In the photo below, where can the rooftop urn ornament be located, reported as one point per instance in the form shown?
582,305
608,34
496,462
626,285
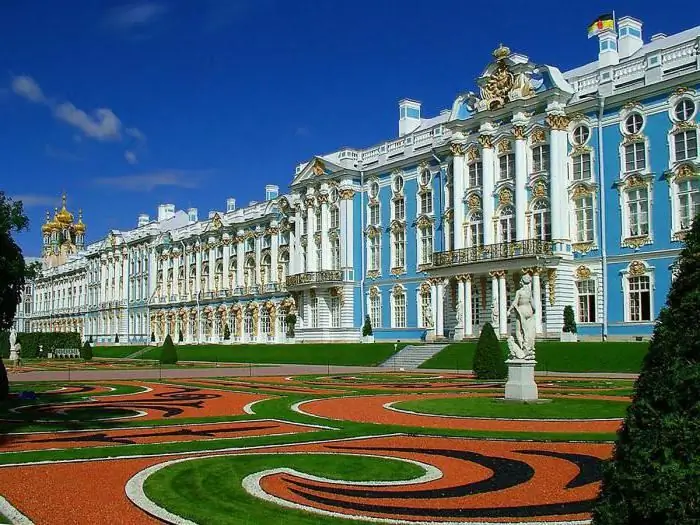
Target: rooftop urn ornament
522,346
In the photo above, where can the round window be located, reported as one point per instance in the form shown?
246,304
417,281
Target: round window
398,184
425,177
684,110
374,189
634,123
581,135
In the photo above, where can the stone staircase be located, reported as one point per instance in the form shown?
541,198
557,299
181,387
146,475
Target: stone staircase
412,356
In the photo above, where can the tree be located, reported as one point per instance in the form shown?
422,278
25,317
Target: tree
153,337
569,320
116,338
227,332
489,358
291,320
653,475
367,327
87,351
179,336
13,270
168,353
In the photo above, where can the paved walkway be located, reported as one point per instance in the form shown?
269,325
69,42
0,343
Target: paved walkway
250,371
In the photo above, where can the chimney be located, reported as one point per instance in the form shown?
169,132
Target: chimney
658,36
271,192
607,54
192,215
409,116
230,204
630,40
165,212
143,220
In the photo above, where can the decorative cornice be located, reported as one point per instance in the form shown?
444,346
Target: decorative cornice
457,150
505,197
346,194
582,247
373,274
486,141
519,132
636,242
557,122
538,135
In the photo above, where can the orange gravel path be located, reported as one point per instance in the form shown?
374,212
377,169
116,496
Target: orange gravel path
370,409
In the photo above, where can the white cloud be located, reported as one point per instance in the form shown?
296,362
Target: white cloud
135,133
189,179
33,200
26,87
103,124
130,157
129,16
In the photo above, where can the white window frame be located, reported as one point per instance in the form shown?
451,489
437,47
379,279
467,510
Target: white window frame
577,159
475,173
396,321
626,275
374,260
625,194
375,309
511,219
398,249
579,314
421,304
425,203
635,146
422,259
541,161
474,225
574,219
371,207
509,166
547,212
689,132
334,311
395,207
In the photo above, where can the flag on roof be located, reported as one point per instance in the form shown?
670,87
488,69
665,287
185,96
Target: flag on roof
600,24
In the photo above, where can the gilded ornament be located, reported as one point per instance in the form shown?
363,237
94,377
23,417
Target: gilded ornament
373,274
318,167
505,197
346,194
373,292
579,117
632,139
684,171
424,221
473,153
539,190
397,226
309,201
557,122
317,237
636,242
582,247
216,223
474,202
322,198
581,191
518,132
372,231
495,89
486,141
457,150
583,273
637,268
634,181
425,288
538,135
631,105
682,90
551,279
398,270
504,146
448,215
684,125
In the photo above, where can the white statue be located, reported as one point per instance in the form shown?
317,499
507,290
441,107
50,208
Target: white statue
523,345
460,309
428,317
13,338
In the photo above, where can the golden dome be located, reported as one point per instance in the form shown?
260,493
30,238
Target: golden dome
64,216
501,52
46,227
80,226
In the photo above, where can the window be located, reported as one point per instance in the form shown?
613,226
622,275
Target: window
335,217
398,184
586,301
319,220
540,158
319,256
425,177
426,308
581,135
688,202
542,219
476,176
476,230
374,214
335,254
374,253
426,202
399,249
684,110
374,190
635,156
507,166
266,270
634,123
399,310
400,209
584,219
335,312
426,245
265,322
313,306
686,145
506,224
334,195
639,290
375,310
581,166
638,210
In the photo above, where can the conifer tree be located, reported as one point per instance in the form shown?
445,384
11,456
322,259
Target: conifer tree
489,358
168,353
87,351
654,474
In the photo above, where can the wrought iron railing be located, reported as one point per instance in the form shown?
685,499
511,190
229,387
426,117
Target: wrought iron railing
324,276
491,252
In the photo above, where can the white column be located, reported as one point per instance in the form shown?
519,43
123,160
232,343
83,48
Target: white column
346,228
186,263
459,327
458,195
558,198
433,307
502,304
198,272
537,298
274,255
240,248
468,314
164,273
488,167
104,277
258,259
226,285
494,301
176,276
152,270
440,319
212,265
311,239
293,246
325,240
520,183
125,275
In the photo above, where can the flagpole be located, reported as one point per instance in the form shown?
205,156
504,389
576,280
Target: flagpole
614,22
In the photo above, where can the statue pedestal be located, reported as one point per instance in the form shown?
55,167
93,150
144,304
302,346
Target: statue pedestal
521,384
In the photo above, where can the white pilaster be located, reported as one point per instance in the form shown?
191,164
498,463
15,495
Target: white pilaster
176,277
258,258
489,175
440,319
274,254
346,228
537,299
458,195
164,275
125,275
240,249
459,327
212,265
325,240
198,272
293,246
502,304
520,182
494,301
468,314
226,285
152,272
559,200
311,236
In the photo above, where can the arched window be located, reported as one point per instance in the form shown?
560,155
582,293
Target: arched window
506,224
233,272
540,158
399,249
542,220
266,270
399,297
204,280
335,253
250,272
284,266
375,308
476,230
426,244
335,217
219,275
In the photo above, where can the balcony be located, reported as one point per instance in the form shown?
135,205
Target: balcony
322,277
492,252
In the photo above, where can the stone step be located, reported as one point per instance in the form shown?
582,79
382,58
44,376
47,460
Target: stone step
412,356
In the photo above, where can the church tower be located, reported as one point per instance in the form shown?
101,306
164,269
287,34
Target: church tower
61,236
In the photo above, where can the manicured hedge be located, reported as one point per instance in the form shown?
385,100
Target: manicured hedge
30,342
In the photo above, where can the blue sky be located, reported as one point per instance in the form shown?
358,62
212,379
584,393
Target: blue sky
128,105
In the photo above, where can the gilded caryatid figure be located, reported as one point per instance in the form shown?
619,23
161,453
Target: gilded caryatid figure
522,346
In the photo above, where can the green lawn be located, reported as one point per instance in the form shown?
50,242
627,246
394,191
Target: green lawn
557,357
308,354
209,490
115,351
495,408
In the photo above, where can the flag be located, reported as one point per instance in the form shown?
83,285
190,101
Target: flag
600,24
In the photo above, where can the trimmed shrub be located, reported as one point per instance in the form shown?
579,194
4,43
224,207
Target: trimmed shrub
653,475
168,353
4,382
489,358
227,332
87,351
179,337
116,338
153,337
569,320
31,341
367,327
291,320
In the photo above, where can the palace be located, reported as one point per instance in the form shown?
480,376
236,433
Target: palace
586,179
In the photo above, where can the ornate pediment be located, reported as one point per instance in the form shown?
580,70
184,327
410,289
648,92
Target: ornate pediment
505,80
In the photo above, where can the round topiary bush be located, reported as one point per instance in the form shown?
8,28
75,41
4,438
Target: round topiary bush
87,351
168,353
489,358
569,320
653,476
